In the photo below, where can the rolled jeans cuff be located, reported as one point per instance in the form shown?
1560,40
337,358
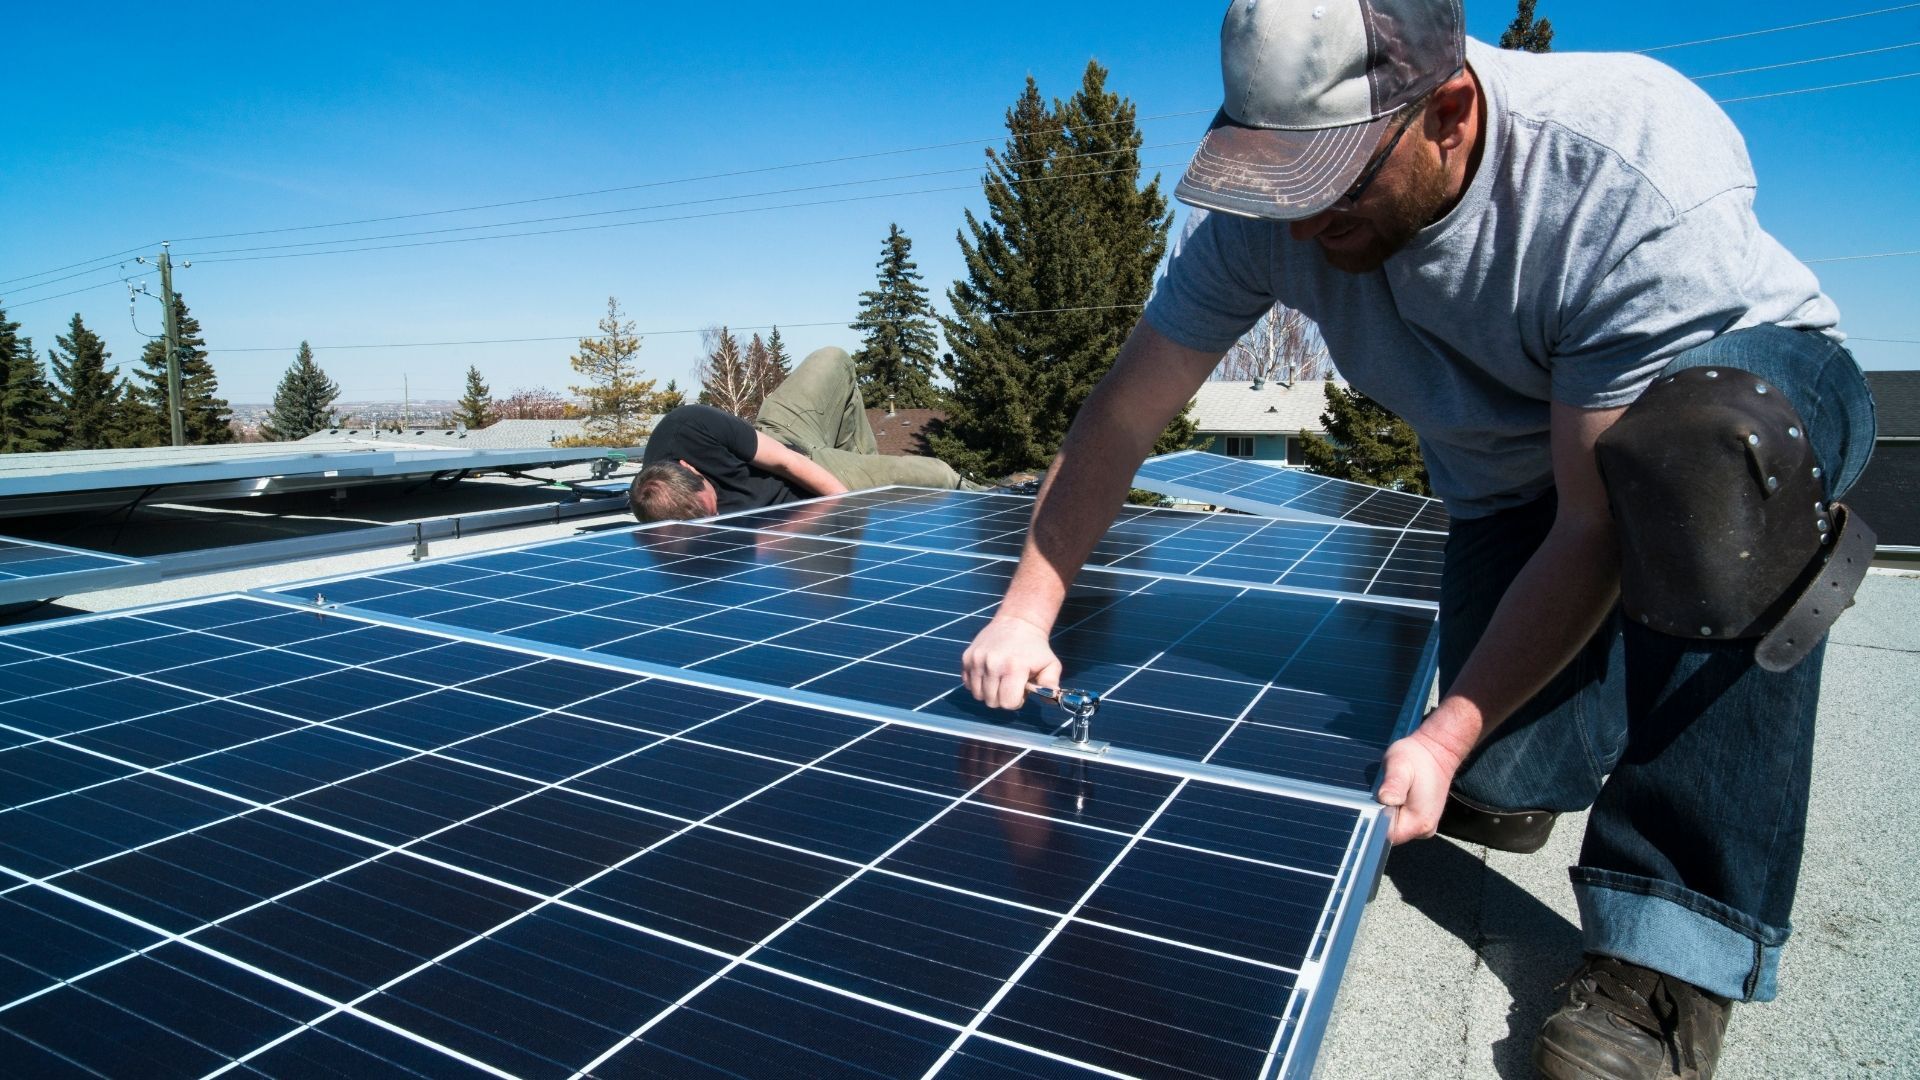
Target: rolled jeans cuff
1660,925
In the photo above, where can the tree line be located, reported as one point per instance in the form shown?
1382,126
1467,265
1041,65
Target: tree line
75,400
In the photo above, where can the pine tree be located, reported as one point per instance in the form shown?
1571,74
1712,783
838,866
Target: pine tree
777,358
475,408
1365,443
1527,33
619,402
724,382
26,402
206,417
1055,278
670,399
896,357
85,394
303,402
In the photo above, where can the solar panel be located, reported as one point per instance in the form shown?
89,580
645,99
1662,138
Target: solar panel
1296,685
303,842
31,570
1401,564
82,479
1285,493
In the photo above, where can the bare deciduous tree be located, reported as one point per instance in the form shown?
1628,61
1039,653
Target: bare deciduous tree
725,382
1284,346
536,403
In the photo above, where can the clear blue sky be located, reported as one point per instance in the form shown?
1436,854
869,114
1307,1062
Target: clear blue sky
128,125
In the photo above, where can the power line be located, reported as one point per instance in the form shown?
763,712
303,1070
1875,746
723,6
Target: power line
602,191
1816,89
671,205
659,220
1800,63
1778,29
1886,340
83,262
644,333
1856,258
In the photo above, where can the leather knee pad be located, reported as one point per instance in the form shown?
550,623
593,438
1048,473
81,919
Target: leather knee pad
1722,515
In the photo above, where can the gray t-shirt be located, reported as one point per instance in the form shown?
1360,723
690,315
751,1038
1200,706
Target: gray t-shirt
1609,228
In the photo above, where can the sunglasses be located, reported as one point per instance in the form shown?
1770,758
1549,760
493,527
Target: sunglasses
1346,202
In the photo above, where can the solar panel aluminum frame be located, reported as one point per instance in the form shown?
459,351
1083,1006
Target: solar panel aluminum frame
1327,956
119,572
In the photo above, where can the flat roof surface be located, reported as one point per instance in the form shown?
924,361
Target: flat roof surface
1459,953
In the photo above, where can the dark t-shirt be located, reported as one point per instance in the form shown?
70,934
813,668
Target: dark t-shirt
721,446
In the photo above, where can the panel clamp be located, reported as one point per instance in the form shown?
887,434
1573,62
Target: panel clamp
1080,706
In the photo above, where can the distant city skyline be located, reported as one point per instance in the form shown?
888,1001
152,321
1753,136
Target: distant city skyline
746,163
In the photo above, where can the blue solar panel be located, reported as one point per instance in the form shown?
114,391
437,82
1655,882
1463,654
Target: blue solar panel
1286,493
366,849
1387,563
1296,685
30,570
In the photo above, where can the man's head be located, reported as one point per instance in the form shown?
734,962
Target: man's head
671,491
1354,119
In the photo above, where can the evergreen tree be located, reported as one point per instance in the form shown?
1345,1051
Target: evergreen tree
26,402
618,401
85,394
303,402
1055,278
475,408
896,357
207,419
1527,33
670,399
1365,443
777,358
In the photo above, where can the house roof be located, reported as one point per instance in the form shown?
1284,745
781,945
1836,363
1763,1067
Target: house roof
1896,402
1274,409
904,431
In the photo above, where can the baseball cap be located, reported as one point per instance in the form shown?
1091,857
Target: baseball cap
1311,88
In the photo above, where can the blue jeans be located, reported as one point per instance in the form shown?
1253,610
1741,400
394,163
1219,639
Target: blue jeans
1694,760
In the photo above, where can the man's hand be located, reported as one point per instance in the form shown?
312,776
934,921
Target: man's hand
1007,654
1419,770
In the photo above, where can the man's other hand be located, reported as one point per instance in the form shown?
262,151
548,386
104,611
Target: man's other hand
1419,770
1007,654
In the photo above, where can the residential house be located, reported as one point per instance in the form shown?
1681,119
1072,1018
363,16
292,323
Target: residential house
1261,420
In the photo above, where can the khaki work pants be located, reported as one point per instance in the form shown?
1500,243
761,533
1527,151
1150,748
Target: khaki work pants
819,411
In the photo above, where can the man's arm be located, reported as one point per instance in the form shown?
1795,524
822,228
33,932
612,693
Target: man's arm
776,457
1552,609
1151,380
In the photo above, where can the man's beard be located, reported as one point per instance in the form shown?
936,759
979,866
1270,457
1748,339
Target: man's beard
1401,214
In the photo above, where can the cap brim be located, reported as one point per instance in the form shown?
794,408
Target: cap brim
1277,173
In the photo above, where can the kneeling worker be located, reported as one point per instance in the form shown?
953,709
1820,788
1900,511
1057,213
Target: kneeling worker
812,438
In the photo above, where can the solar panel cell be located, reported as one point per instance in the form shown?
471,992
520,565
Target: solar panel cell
936,951
47,938
1143,1007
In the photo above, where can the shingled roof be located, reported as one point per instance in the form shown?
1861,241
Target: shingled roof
904,431
1274,409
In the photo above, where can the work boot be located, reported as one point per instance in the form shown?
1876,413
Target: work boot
1621,1020
1523,831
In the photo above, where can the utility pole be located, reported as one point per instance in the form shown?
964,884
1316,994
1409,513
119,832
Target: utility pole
175,415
